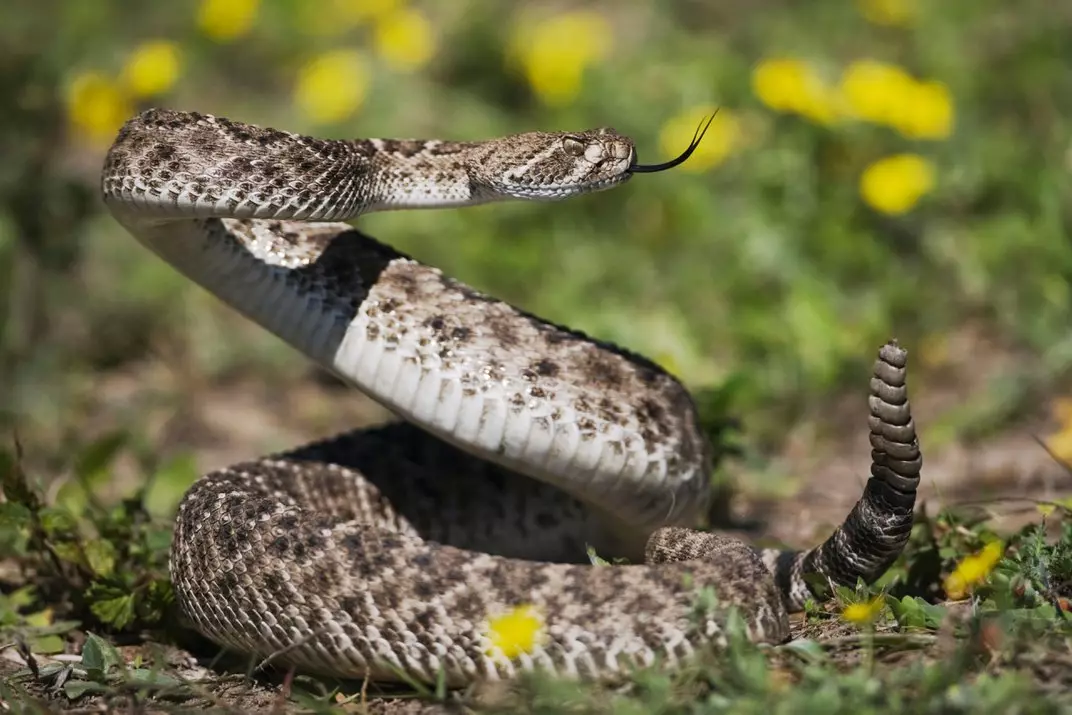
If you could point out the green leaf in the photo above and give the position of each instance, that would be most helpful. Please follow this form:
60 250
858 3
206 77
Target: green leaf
117 612
69 551
16 524
15 515
99 656
19 598
595 558
100 555
57 522
913 612
158 597
808 649
92 654
48 645
58 628
154 677
818 584
846 595
75 689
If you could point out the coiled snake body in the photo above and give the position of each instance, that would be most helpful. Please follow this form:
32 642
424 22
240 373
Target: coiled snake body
383 553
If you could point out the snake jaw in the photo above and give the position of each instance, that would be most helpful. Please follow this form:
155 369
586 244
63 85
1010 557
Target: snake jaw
554 192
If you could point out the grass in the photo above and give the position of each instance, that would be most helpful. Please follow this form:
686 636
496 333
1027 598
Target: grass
760 272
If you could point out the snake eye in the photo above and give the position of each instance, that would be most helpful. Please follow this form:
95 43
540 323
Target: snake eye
573 147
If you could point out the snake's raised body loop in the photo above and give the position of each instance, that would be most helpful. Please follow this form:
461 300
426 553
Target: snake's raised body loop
386 551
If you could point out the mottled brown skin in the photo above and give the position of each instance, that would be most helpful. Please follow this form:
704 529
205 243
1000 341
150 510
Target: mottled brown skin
387 551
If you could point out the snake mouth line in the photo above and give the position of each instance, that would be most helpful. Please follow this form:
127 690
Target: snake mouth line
563 191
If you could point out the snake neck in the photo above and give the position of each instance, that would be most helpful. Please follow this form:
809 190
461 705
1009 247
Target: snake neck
432 175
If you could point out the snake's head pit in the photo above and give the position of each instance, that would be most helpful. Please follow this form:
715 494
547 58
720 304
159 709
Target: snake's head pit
554 165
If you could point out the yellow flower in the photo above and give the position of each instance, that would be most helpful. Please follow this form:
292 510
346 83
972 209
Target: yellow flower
152 68
875 91
1060 442
721 138
894 184
554 52
890 13
97 106
793 86
517 631
225 20
332 86
404 39
926 113
864 613
885 94
973 569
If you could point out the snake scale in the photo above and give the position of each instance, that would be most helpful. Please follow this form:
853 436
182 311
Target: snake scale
383 553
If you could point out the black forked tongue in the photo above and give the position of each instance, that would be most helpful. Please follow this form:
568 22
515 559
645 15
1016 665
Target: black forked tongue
696 137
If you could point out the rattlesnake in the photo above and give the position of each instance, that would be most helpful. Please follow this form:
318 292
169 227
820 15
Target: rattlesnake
384 553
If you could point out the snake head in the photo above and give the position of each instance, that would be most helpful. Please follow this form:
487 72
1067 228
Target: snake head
546 166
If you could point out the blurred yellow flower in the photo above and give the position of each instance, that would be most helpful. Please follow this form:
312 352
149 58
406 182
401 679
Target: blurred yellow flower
875 91
864 613
404 39
517 631
332 86
890 13
554 52
885 94
792 85
152 68
97 106
894 184
973 569
1060 442
927 112
225 20
722 137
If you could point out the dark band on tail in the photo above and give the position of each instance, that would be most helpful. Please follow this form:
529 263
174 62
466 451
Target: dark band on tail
877 529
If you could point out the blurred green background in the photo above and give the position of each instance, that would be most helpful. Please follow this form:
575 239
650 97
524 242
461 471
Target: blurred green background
876 168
